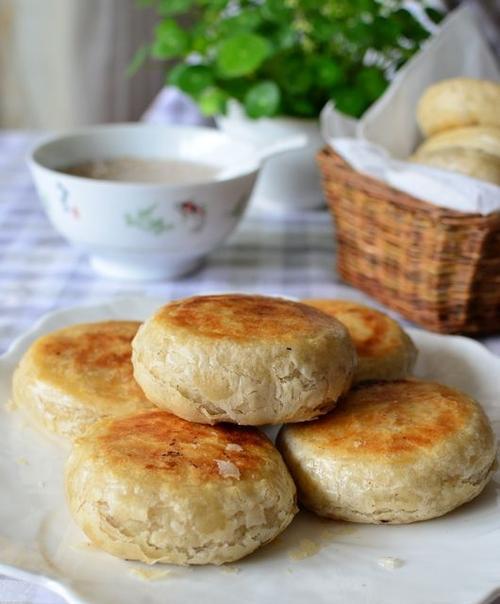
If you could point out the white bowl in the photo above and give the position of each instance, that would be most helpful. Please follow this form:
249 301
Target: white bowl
142 230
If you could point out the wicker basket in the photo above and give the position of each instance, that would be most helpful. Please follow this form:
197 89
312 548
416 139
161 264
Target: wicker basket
437 267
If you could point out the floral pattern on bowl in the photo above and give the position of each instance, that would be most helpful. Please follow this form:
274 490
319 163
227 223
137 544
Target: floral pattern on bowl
145 220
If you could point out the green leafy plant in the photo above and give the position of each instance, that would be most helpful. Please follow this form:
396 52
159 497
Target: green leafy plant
284 56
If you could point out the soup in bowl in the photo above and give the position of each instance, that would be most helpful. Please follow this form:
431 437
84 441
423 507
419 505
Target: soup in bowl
145 201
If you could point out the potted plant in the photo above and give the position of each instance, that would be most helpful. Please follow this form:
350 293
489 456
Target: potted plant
266 68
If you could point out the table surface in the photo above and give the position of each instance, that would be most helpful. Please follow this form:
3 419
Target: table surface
290 254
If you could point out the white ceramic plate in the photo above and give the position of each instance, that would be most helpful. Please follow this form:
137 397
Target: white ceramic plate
454 559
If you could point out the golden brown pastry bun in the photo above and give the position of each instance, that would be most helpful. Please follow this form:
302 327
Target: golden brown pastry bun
470 162
243 359
155 488
385 351
393 452
481 138
72 377
457 103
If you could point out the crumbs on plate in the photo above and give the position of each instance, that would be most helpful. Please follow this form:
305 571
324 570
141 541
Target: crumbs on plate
305 549
230 569
150 574
390 563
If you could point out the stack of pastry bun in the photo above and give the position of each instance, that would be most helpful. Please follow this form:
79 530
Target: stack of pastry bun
168 464
460 119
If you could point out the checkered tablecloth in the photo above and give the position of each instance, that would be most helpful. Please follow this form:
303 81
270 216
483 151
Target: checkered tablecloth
290 254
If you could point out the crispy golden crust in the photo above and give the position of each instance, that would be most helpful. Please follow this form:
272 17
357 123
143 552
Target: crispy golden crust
392 452
241 317
92 360
155 488
391 419
73 376
385 351
372 332
159 441
248 360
